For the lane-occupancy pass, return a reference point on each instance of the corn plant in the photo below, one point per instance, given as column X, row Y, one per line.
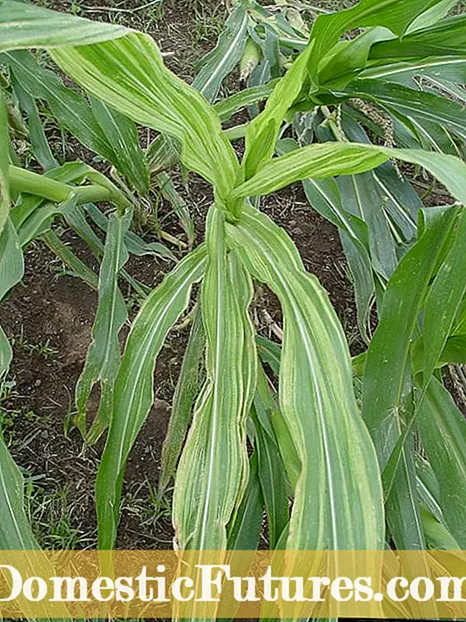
column 339, row 442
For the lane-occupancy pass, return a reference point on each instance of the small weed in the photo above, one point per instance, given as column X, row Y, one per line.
column 42, row 349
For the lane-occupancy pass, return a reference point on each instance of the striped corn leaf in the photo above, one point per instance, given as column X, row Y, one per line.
column 21, row 23
column 128, row 74
column 212, row 473
column 338, row 498
column 103, row 356
column 330, row 159
column 11, row 259
column 443, row 433
column 133, row 392
column 187, row 388
column 432, row 15
column 4, row 164
column 262, row 132
column 221, row 61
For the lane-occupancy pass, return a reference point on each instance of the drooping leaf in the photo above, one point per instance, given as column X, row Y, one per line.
column 103, row 357
column 133, row 392
column 212, row 473
column 322, row 416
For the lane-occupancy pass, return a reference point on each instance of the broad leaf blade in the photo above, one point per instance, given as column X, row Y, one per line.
column 213, row 469
column 322, row 417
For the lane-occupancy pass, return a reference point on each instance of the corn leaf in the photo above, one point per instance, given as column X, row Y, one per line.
column 386, row 383
column 187, row 388
column 11, row 259
column 444, row 300
column 103, row 357
column 212, row 473
column 128, row 74
column 133, row 392
column 244, row 532
column 271, row 471
column 338, row 499
column 446, row 38
column 221, row 61
column 443, row 434
column 39, row 142
column 391, row 14
column 25, row 25
column 330, row 159
column 4, row 163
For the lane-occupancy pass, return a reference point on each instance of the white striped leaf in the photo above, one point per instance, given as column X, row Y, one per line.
column 25, row 25
column 338, row 497
column 212, row 473
column 4, row 163
column 331, row 159
column 133, row 393
column 216, row 65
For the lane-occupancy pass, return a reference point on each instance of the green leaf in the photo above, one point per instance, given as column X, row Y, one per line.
column 11, row 259
column 414, row 105
column 444, row 300
column 27, row 25
column 133, row 393
column 212, row 473
column 95, row 125
column 128, row 74
column 391, row 14
column 221, row 61
column 272, row 474
column 330, row 159
column 103, row 356
column 187, row 388
column 4, row 164
column 244, row 532
column 338, row 499
column 446, row 38
column 226, row 108
column 386, row 381
column 443, row 433
column 39, row 143
column 442, row 67
column 65, row 254
column 125, row 150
